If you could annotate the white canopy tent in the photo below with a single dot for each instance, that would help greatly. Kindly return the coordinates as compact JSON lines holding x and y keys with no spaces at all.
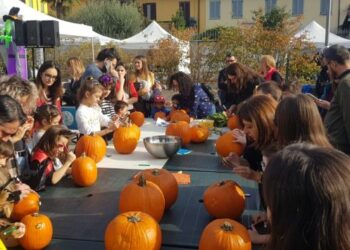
{"x":316,"y":34}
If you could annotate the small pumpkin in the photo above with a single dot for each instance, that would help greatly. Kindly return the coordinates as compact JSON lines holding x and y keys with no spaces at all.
{"x":93,"y":146}
{"x":133,"y":230}
{"x":165,"y":181}
{"x":225,"y":234}
{"x":38,"y":233}
{"x":28,"y":205}
{"x":125,"y":139}
{"x":199,"y":134}
{"x":233,"y":122}
{"x":137,"y":118}
{"x":181,"y":129}
{"x":144,"y":196}
{"x":224,"y":145}
{"x":161,"y":115}
{"x":84,"y":171}
{"x":224,"y":199}
{"x":179,"y":115}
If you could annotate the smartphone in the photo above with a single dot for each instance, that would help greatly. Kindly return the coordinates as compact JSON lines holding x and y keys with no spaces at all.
{"x":262,"y":227}
{"x":108,"y":64}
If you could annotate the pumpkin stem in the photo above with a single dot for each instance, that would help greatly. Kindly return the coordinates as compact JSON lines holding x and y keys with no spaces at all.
{"x":155,"y":171}
{"x":227,"y":226}
{"x":134,"y":219}
{"x":222,"y":183}
{"x":142,"y":181}
{"x":83,"y":154}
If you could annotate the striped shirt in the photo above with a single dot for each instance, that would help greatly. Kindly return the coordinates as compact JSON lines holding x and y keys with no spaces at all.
{"x":107,"y":108}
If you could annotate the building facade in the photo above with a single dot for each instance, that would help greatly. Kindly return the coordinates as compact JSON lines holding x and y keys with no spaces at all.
{"x":212,"y":13}
{"x":37,"y":5}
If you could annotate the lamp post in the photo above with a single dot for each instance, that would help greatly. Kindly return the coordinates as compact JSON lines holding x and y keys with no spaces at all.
{"x":328,"y":22}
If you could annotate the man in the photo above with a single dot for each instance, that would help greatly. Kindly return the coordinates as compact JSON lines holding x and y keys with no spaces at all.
{"x":222,"y":80}
{"x":337,"y":120}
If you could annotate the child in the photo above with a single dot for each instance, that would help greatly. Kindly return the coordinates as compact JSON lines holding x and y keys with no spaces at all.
{"x":89,"y":116}
{"x":50,"y":146}
{"x":45,"y":116}
{"x":121,"y":111}
{"x":176,"y":101}
{"x":158,"y":105}
{"x":108,"y":95}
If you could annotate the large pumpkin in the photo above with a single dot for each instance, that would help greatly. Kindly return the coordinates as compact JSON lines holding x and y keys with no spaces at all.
{"x":93,"y":146}
{"x":132,"y":231}
{"x":199,"y":134}
{"x":137,"y":117}
{"x":161,"y":115}
{"x":84,"y":171}
{"x":165,"y":181}
{"x":225,"y":145}
{"x":179,"y":115}
{"x":28,"y":205}
{"x":233,"y":122}
{"x":225,"y":234}
{"x":181,"y":129}
{"x":224,"y":199}
{"x":38,"y":233}
{"x":125,"y":139}
{"x":144,"y":196}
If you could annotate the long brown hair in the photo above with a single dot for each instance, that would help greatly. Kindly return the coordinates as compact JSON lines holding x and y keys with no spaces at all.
{"x":77,"y":67}
{"x":89,"y":85}
{"x":145,"y":70}
{"x":260,"y":110}
{"x":243,"y":74}
{"x":298,"y":120}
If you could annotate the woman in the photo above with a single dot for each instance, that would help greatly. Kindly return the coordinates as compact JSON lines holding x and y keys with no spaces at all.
{"x":76,"y":69}
{"x":196,"y":98}
{"x":124,"y":88}
{"x":307,"y":189}
{"x":48,"y":82}
{"x":268,"y":69}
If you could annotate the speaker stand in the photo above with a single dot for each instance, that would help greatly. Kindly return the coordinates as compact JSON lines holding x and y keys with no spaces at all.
{"x":33,"y":61}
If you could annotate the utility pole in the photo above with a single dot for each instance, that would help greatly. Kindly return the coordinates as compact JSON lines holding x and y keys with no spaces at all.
{"x":328,"y":22}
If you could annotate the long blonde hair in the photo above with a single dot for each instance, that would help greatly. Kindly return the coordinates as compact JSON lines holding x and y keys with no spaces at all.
{"x":77,"y":67}
{"x":144,"y":71}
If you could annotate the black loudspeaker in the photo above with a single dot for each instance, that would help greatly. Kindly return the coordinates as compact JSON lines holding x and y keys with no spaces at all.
{"x":19,"y":38}
{"x":32,"y":33}
{"x":50,"y":36}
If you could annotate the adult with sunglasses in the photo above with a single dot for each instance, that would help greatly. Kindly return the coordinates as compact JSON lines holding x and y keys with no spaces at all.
{"x":222,"y":79}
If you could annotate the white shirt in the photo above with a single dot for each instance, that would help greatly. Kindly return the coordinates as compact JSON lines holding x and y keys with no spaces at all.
{"x":90,"y":119}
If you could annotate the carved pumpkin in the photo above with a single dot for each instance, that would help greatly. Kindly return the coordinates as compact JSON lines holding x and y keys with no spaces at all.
{"x":93,"y":146}
{"x":233,"y":122}
{"x":199,"y":134}
{"x":38,"y":231}
{"x":28,"y":205}
{"x":125,"y":139}
{"x":144,"y":196}
{"x":179,"y":115}
{"x":137,"y":118}
{"x":84,"y":171}
{"x":225,"y":234}
{"x":225,"y":145}
{"x":133,"y":230}
{"x":181,"y":129}
{"x":161,"y":115}
{"x":224,"y":199}
{"x":165,"y":181}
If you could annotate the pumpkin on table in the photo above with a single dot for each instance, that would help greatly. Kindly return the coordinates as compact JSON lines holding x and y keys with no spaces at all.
{"x":225,"y":145}
{"x":224,"y":199}
{"x":181,"y":129}
{"x":84,"y":171}
{"x":165,"y":181}
{"x":233,"y":122}
{"x":28,"y":205}
{"x":93,"y":146}
{"x":161,"y":115}
{"x":38,"y":233}
{"x":179,"y":115}
{"x":125,"y":139}
{"x":225,"y":234}
{"x":144,"y":196}
{"x":133,"y":230}
{"x":137,"y":118}
{"x":199,"y":134}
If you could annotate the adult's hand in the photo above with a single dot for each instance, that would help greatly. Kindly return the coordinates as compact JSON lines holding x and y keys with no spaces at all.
{"x":239,"y":136}
{"x":323,"y":103}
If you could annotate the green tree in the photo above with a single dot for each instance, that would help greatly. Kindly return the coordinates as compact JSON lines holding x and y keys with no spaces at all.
{"x":275,"y":19}
{"x":110,"y":18}
{"x":61,"y":7}
{"x":178,"y":20}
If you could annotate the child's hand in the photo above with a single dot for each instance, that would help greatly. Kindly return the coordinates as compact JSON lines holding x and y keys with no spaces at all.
{"x":24,"y":188}
{"x":240,"y":136}
{"x":20,"y":231}
{"x":70,"y":157}
{"x":257,"y":238}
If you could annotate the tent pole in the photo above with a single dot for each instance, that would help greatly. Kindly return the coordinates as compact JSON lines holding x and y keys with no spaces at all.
{"x":328,"y":22}
{"x":92,"y":48}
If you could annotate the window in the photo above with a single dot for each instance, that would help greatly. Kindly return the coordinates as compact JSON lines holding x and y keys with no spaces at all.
{"x":298,"y":7}
{"x":237,"y":8}
{"x":149,"y":11}
{"x":269,"y":5}
{"x":214,"y":9}
{"x":324,"y":7}
{"x":185,"y":7}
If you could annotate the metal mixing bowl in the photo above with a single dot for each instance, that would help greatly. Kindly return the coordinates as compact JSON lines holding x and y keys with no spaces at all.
{"x":162,"y":146}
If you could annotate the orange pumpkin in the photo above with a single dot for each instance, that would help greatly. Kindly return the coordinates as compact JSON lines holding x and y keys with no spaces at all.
{"x":28,"y":205}
{"x":38,"y":231}
{"x":199,"y":134}
{"x":133,"y":230}
{"x":137,"y":118}
{"x":161,"y":115}
{"x":181,"y":129}
{"x":165,"y":181}
{"x":225,"y":234}
{"x":233,"y":122}
{"x":225,"y":145}
{"x":125,"y":139}
{"x":179,"y":115}
{"x":224,"y":199}
{"x":144,"y":196}
{"x":84,"y":171}
{"x":93,"y":146}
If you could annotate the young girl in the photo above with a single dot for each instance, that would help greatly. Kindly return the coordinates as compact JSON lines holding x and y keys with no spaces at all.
{"x":125,"y":89}
{"x":89,"y":116}
{"x":108,"y":96}
{"x":53,"y":144}
{"x":45,"y":116}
